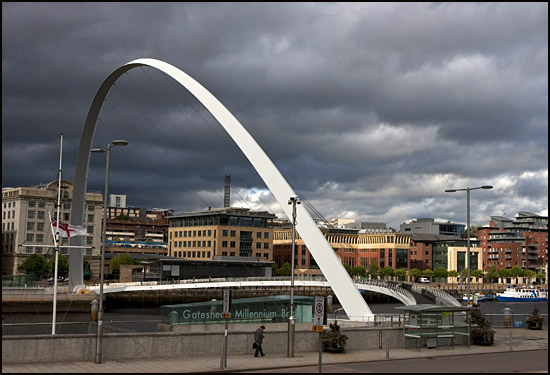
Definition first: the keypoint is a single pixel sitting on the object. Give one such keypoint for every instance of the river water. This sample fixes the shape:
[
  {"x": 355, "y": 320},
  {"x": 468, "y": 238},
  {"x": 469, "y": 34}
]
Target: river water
[{"x": 147, "y": 319}]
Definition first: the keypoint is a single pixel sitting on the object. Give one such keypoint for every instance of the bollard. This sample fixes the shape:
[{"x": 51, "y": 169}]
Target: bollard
[
  {"x": 95, "y": 309},
  {"x": 507, "y": 317},
  {"x": 511, "y": 341},
  {"x": 173, "y": 317},
  {"x": 387, "y": 347}
]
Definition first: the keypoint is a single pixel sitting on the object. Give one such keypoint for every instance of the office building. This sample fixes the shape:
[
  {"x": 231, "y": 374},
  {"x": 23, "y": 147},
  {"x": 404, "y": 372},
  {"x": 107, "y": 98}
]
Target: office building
[
  {"x": 225, "y": 232},
  {"x": 26, "y": 221}
]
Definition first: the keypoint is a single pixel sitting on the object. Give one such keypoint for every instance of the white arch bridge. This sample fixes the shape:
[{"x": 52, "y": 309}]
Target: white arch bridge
[{"x": 377, "y": 286}]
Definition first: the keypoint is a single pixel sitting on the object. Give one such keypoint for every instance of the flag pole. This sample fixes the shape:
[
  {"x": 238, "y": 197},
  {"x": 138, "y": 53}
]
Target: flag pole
[{"x": 57, "y": 239}]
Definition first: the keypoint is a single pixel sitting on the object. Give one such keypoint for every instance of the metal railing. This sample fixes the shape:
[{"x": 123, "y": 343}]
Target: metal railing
[{"x": 511, "y": 321}]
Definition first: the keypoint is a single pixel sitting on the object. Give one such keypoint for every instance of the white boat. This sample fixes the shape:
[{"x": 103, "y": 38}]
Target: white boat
[{"x": 512, "y": 294}]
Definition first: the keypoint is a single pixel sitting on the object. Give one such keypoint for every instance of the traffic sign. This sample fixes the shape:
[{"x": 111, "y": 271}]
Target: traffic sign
[
  {"x": 317, "y": 329},
  {"x": 319, "y": 310},
  {"x": 226, "y": 301}
]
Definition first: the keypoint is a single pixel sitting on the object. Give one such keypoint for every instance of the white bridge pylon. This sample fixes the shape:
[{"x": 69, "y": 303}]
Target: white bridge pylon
[
  {"x": 398, "y": 293},
  {"x": 341, "y": 283}
]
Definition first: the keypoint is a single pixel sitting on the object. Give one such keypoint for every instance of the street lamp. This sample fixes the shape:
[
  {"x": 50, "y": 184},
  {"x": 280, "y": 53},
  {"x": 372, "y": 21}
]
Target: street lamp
[
  {"x": 291, "y": 323},
  {"x": 103, "y": 240},
  {"x": 467, "y": 190}
]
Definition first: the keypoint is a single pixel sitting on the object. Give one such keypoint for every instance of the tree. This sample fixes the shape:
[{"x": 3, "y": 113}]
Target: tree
[
  {"x": 36, "y": 264},
  {"x": 119, "y": 259},
  {"x": 540, "y": 276},
  {"x": 386, "y": 271},
  {"x": 348, "y": 268},
  {"x": 517, "y": 271},
  {"x": 452, "y": 274},
  {"x": 285, "y": 270},
  {"x": 440, "y": 273},
  {"x": 373, "y": 270},
  {"x": 62, "y": 265},
  {"x": 492, "y": 273},
  {"x": 505, "y": 273},
  {"x": 473, "y": 232},
  {"x": 359, "y": 271},
  {"x": 530, "y": 274},
  {"x": 415, "y": 273},
  {"x": 400, "y": 273},
  {"x": 428, "y": 273},
  {"x": 478, "y": 273}
]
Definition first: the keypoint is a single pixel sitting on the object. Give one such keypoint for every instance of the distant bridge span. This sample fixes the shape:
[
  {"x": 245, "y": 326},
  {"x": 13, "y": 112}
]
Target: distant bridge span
[{"x": 382, "y": 287}]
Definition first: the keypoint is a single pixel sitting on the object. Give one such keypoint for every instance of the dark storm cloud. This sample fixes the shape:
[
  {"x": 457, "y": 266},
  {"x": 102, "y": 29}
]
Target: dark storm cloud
[{"x": 369, "y": 110}]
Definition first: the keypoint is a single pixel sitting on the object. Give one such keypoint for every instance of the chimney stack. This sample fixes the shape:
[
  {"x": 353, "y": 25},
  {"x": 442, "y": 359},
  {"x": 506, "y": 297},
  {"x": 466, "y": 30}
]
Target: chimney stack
[{"x": 226, "y": 201}]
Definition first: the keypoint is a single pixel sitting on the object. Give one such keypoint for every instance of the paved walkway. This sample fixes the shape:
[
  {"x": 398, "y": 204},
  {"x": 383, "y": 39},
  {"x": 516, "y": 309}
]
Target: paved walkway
[{"x": 523, "y": 339}]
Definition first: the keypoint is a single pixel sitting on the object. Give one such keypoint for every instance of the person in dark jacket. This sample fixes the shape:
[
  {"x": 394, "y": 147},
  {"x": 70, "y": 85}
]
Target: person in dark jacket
[{"x": 258, "y": 338}]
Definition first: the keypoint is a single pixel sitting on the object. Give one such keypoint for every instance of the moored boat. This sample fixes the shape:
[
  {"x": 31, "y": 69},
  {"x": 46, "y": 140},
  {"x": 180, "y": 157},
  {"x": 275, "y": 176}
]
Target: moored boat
[
  {"x": 478, "y": 297},
  {"x": 512, "y": 294}
]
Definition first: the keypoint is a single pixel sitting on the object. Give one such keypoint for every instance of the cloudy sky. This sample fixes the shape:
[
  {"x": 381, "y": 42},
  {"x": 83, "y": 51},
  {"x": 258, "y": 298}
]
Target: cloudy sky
[{"x": 369, "y": 110}]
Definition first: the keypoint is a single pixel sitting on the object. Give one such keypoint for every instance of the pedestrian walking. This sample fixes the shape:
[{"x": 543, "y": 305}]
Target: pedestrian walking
[{"x": 258, "y": 338}]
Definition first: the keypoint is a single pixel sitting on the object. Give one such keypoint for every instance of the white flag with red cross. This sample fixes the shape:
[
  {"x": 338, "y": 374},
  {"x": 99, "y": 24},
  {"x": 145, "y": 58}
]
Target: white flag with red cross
[{"x": 67, "y": 230}]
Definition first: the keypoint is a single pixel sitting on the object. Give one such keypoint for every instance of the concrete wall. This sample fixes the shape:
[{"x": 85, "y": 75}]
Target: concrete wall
[{"x": 181, "y": 342}]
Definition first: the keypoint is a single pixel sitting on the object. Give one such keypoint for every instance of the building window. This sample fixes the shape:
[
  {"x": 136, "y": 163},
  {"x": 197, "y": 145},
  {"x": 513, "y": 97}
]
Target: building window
[
  {"x": 258, "y": 245},
  {"x": 30, "y": 225},
  {"x": 233, "y": 233},
  {"x": 40, "y": 227},
  {"x": 90, "y": 229},
  {"x": 225, "y": 232},
  {"x": 31, "y": 214},
  {"x": 232, "y": 244},
  {"x": 89, "y": 240},
  {"x": 232, "y": 253},
  {"x": 90, "y": 218},
  {"x": 31, "y": 204},
  {"x": 66, "y": 217},
  {"x": 266, "y": 245},
  {"x": 40, "y": 214},
  {"x": 258, "y": 234},
  {"x": 224, "y": 243},
  {"x": 266, "y": 235},
  {"x": 30, "y": 237},
  {"x": 41, "y": 204},
  {"x": 40, "y": 238}
]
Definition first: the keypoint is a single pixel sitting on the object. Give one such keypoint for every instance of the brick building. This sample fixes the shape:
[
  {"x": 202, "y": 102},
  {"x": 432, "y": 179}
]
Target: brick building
[{"x": 351, "y": 247}]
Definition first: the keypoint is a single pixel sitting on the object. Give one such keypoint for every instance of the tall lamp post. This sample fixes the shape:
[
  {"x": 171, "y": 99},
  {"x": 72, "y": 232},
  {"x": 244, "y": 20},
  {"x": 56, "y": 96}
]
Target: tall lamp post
[
  {"x": 467, "y": 190},
  {"x": 291, "y": 323},
  {"x": 99, "y": 336}
]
